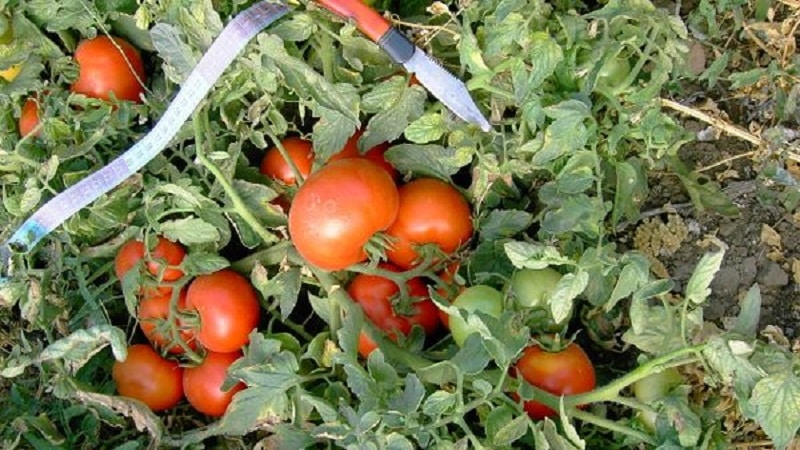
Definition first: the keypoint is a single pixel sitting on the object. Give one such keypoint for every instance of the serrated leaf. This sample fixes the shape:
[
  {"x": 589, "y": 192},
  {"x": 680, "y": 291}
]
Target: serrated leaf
[
  {"x": 489, "y": 261},
  {"x": 395, "y": 441},
  {"x": 321, "y": 307},
  {"x": 633, "y": 276},
  {"x": 428, "y": 160},
  {"x": 747, "y": 78},
  {"x": 258, "y": 199},
  {"x": 168, "y": 42},
  {"x": 715, "y": 69},
  {"x": 631, "y": 190},
  {"x": 698, "y": 286},
  {"x": 296, "y": 27},
  {"x": 428, "y": 128},
  {"x": 30, "y": 199},
  {"x": 511, "y": 431},
  {"x": 331, "y": 132},
  {"x": 409, "y": 400},
  {"x": 684, "y": 420},
  {"x": 190, "y": 231},
  {"x": 439, "y": 403},
  {"x": 545, "y": 54},
  {"x": 527, "y": 255},
  {"x": 393, "y": 118},
  {"x": 77, "y": 348},
  {"x": 202, "y": 263},
  {"x": 285, "y": 287},
  {"x": 564, "y": 294},
  {"x": 504, "y": 223}
]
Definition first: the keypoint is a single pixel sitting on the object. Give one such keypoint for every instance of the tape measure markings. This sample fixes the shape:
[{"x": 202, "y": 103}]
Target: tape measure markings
[{"x": 219, "y": 56}]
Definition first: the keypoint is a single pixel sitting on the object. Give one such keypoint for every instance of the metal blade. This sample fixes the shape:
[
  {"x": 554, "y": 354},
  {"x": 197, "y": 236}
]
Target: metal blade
[{"x": 448, "y": 89}]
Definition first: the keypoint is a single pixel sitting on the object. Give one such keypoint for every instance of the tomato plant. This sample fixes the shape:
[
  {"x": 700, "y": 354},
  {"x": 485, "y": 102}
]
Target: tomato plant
[
  {"x": 153, "y": 314},
  {"x": 532, "y": 288},
  {"x": 431, "y": 212},
  {"x": 228, "y": 308},
  {"x": 376, "y": 295},
  {"x": 145, "y": 376},
  {"x": 564, "y": 372},
  {"x": 29, "y": 117},
  {"x": 657, "y": 385},
  {"x": 109, "y": 65},
  {"x": 474, "y": 298},
  {"x": 338, "y": 209},
  {"x": 301, "y": 153},
  {"x": 203, "y": 383}
]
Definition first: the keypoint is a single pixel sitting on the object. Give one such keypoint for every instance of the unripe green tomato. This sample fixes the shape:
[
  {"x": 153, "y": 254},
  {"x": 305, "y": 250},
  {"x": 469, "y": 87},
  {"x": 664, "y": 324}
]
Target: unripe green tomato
[
  {"x": 532, "y": 288},
  {"x": 657, "y": 385},
  {"x": 476, "y": 298}
]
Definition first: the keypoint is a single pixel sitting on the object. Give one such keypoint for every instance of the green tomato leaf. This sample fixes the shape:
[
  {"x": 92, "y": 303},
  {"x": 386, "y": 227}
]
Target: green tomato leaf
[
  {"x": 179, "y": 61},
  {"x": 438, "y": 404},
  {"x": 631, "y": 190},
  {"x": 568, "y": 288},
  {"x": 683, "y": 419},
  {"x": 428, "y": 160},
  {"x": 749, "y": 313},
  {"x": 507, "y": 429},
  {"x": 528, "y": 255},
  {"x": 428, "y": 128},
  {"x": 395, "y": 441},
  {"x": 501, "y": 224},
  {"x": 634, "y": 275},
  {"x": 77, "y": 348},
  {"x": 546, "y": 55},
  {"x": 394, "y": 115},
  {"x": 409, "y": 400},
  {"x": 190, "y": 231},
  {"x": 284, "y": 287},
  {"x": 776, "y": 406},
  {"x": 698, "y": 288},
  {"x": 202, "y": 263},
  {"x": 296, "y": 27}
]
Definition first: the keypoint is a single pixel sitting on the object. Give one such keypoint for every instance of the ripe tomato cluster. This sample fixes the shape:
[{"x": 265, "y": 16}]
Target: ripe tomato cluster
[
  {"x": 108, "y": 68},
  {"x": 340, "y": 212},
  {"x": 212, "y": 317}
]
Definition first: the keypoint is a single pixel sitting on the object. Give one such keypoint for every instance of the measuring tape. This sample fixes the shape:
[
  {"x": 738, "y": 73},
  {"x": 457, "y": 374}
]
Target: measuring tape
[{"x": 219, "y": 56}]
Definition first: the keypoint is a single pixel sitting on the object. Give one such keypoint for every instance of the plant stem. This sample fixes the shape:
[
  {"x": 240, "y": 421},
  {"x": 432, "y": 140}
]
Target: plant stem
[
  {"x": 203, "y": 134},
  {"x": 299, "y": 178},
  {"x": 269, "y": 256},
  {"x": 611, "y": 425}
]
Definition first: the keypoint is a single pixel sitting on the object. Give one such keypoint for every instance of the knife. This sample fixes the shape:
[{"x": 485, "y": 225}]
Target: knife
[{"x": 438, "y": 81}]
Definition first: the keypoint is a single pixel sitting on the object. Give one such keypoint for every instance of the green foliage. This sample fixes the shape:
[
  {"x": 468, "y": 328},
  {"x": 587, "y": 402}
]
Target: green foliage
[{"x": 568, "y": 161}]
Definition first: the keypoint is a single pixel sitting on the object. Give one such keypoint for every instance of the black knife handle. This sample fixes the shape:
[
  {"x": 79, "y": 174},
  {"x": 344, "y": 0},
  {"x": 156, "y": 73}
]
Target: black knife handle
[{"x": 397, "y": 45}]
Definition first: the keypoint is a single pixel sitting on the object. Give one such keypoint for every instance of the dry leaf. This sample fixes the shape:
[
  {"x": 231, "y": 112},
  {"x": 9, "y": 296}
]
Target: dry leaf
[
  {"x": 770, "y": 237},
  {"x": 796, "y": 270}
]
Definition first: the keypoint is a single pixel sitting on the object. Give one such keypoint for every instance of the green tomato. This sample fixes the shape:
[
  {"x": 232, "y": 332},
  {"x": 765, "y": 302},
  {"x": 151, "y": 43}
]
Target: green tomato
[
  {"x": 476, "y": 298},
  {"x": 657, "y": 385},
  {"x": 532, "y": 288}
]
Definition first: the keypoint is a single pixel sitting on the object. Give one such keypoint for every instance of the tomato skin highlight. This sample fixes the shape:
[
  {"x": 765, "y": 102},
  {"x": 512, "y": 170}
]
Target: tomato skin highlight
[
  {"x": 228, "y": 308},
  {"x": 301, "y": 153},
  {"x": 431, "y": 211},
  {"x": 338, "y": 209},
  {"x": 475, "y": 298},
  {"x": 152, "y": 311},
  {"x": 146, "y": 376},
  {"x": 203, "y": 383},
  {"x": 374, "y": 293},
  {"x": 102, "y": 69},
  {"x": 566, "y": 372}
]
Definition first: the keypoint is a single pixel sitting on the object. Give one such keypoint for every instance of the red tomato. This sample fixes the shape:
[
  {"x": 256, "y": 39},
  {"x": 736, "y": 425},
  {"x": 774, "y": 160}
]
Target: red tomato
[
  {"x": 172, "y": 253},
  {"x": 29, "y": 117},
  {"x": 153, "y": 312},
  {"x": 127, "y": 257},
  {"x": 146, "y": 376},
  {"x": 431, "y": 211},
  {"x": 103, "y": 69},
  {"x": 567, "y": 372},
  {"x": 374, "y": 294},
  {"x": 203, "y": 383},
  {"x": 300, "y": 151},
  {"x": 228, "y": 308},
  {"x": 338, "y": 209},
  {"x": 366, "y": 345},
  {"x": 375, "y": 154}
]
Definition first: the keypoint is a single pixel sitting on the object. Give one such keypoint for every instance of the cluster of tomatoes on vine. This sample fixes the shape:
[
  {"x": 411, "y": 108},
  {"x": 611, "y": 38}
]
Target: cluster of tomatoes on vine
[{"x": 350, "y": 211}]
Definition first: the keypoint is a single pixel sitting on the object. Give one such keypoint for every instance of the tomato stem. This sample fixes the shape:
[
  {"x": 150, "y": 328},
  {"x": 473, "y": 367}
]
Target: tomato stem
[
  {"x": 201, "y": 129},
  {"x": 269, "y": 256},
  {"x": 298, "y": 176},
  {"x": 610, "y": 425}
]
